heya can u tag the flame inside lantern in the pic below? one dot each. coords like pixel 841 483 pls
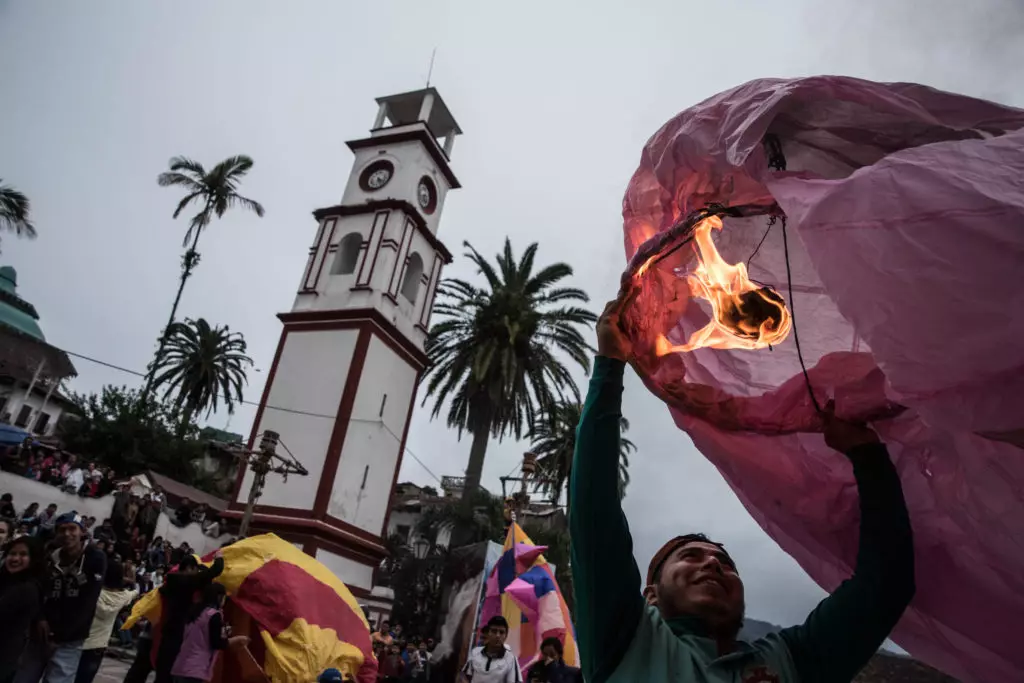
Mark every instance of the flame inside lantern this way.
pixel 744 315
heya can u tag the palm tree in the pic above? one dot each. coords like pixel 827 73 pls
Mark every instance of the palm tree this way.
pixel 553 441
pixel 200 366
pixel 216 191
pixel 493 352
pixel 14 210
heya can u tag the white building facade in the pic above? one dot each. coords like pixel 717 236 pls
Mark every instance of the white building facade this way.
pixel 341 387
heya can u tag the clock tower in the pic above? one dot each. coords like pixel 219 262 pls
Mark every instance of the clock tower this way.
pixel 342 385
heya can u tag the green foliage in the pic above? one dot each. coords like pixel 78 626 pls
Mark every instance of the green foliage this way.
pixel 553 440
pixel 14 211
pixel 484 522
pixel 200 366
pixel 496 352
pixel 129 434
pixel 216 190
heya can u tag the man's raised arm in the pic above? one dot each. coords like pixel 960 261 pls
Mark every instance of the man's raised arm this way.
pixel 605 576
pixel 848 627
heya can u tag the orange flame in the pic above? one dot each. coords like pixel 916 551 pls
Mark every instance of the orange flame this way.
pixel 743 315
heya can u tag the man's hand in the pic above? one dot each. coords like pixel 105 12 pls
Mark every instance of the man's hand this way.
pixel 844 436
pixel 611 340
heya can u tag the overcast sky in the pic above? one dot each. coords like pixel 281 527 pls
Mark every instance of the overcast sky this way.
pixel 556 100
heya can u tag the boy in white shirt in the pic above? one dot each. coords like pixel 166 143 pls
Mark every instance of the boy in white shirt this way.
pixel 494 661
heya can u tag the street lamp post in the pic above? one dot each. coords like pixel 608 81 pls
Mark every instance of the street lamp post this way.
pixel 262 462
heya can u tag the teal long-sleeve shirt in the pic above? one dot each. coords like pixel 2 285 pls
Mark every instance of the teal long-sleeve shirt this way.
pixel 622 639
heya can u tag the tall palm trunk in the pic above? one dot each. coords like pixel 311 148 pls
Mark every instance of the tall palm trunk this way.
pixel 475 468
pixel 187 266
pixel 462 531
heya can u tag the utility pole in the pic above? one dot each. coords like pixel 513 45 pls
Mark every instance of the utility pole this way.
pixel 262 462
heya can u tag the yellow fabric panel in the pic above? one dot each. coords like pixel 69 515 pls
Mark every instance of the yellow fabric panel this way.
pixel 302 651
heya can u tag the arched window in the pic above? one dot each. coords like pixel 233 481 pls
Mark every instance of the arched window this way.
pixel 348 254
pixel 413 273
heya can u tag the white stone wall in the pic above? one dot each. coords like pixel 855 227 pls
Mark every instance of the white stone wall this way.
pixel 26 491
pixel 362 484
pixel 349 571
pixel 310 377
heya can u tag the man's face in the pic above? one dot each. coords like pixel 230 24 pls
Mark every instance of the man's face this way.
pixel 5 531
pixel 70 536
pixel 699 579
pixel 50 509
pixel 496 636
pixel 385 627
pixel 549 654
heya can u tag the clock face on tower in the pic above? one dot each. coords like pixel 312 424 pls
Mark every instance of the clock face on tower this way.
pixel 376 175
pixel 426 195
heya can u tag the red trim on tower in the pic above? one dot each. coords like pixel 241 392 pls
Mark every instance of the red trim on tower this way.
pixel 348 545
pixel 373 244
pixel 348 399
pixel 389 204
pixel 323 256
pixel 310 320
pixel 401 453
pixel 433 149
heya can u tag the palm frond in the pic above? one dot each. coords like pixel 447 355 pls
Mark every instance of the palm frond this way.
pixel 14 211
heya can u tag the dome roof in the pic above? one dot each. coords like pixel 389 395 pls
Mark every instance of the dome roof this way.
pixel 15 312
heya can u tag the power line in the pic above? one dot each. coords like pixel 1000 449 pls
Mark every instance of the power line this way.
pixel 285 410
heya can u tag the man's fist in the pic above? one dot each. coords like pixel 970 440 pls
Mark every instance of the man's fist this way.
pixel 611 340
pixel 844 436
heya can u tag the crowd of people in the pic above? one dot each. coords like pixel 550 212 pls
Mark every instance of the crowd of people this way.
pixel 66 471
pixel 399 658
pixel 67 584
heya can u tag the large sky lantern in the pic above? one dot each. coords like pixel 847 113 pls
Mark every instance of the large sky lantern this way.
pixel 796 241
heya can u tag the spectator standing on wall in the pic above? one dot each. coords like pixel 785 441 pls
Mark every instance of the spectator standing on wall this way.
pixel 74 479
pixel 183 515
pixel 149 515
pixel 73 585
pixel 7 506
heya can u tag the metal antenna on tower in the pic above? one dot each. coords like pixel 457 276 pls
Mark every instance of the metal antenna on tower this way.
pixel 430 71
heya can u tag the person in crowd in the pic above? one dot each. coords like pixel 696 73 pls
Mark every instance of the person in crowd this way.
pixel 331 675
pixel 114 597
pixel 128 572
pixel 108 483
pixel 32 470
pixel 73 587
pixel 30 516
pixel 89 524
pixel 183 515
pixel 391 667
pixel 383 634
pixel 74 478
pixel 21 598
pixel 157 496
pixel 149 515
pixel 44 464
pixel 156 555
pixel 494 661
pixel 47 519
pixel 7 532
pixel 138 541
pixel 178 593
pixel 553 666
pixel 426 658
pixel 7 506
pixel 142 665
pixel 105 531
pixel 132 511
pixel 685 624
pixel 204 638
pixel 396 631
pixel 413 668
pixel 199 514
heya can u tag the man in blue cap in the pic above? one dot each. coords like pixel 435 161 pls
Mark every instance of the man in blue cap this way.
pixel 72 589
